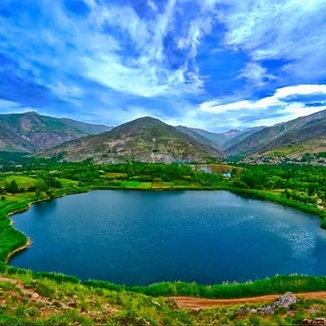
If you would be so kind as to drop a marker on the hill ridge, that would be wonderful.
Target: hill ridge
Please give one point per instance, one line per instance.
(144, 139)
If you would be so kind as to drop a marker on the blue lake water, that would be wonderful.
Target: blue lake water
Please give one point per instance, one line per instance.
(139, 238)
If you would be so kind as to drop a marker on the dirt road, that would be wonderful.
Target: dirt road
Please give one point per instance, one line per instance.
(198, 303)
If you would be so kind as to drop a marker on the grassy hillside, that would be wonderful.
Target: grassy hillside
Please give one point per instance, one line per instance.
(45, 298)
(144, 139)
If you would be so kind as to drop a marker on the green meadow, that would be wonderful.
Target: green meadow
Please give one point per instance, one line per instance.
(118, 304)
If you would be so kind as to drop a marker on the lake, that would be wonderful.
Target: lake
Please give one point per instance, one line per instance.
(137, 238)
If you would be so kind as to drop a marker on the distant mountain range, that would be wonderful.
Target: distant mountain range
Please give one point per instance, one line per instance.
(295, 132)
(30, 131)
(151, 140)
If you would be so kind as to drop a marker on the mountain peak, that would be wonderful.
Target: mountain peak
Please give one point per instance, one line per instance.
(31, 113)
(147, 119)
(144, 139)
(30, 131)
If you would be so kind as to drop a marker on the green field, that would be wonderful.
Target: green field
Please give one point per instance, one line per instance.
(299, 187)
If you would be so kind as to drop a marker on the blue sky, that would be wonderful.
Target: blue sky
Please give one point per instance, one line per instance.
(211, 64)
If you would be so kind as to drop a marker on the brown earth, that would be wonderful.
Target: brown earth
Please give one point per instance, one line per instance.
(187, 302)
(200, 303)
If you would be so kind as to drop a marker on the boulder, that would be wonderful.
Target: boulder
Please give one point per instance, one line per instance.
(284, 300)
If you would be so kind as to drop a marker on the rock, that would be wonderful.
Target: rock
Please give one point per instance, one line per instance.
(269, 310)
(284, 300)
(156, 303)
(241, 310)
(316, 321)
(72, 303)
(35, 296)
(320, 321)
(107, 309)
(195, 312)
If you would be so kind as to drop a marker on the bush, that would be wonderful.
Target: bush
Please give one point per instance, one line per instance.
(323, 223)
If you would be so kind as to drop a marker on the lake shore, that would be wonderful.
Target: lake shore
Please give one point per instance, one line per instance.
(259, 194)
(25, 246)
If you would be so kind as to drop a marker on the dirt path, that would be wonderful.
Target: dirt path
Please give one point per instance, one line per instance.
(198, 303)
(188, 302)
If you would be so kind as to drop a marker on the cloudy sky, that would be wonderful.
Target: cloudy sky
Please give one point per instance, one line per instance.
(212, 64)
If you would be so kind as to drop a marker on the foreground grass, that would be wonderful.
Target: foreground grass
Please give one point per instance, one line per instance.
(28, 297)
(274, 285)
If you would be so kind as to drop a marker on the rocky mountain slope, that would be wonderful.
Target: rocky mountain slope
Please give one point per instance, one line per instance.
(281, 135)
(30, 131)
(217, 138)
(148, 139)
(240, 136)
(145, 139)
(198, 136)
(223, 140)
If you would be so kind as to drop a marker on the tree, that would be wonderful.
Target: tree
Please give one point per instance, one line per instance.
(12, 187)
(40, 185)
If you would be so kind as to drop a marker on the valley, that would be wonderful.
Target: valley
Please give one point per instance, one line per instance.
(280, 164)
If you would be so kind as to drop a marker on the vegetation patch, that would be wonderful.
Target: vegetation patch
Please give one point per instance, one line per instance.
(65, 299)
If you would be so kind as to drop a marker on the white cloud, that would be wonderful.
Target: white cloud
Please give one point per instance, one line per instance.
(152, 5)
(277, 100)
(66, 91)
(262, 104)
(147, 73)
(308, 89)
(110, 72)
(12, 107)
(281, 110)
(8, 105)
(290, 30)
(256, 74)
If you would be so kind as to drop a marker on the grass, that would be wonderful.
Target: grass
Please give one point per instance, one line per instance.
(104, 302)
(67, 182)
(48, 298)
(130, 184)
(115, 175)
(22, 181)
(145, 185)
(277, 198)
(274, 285)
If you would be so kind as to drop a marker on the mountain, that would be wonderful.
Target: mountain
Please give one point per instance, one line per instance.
(296, 143)
(150, 140)
(240, 137)
(222, 140)
(281, 135)
(145, 139)
(217, 138)
(198, 137)
(87, 128)
(30, 131)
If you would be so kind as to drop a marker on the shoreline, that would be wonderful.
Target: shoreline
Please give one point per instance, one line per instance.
(25, 246)
(255, 193)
